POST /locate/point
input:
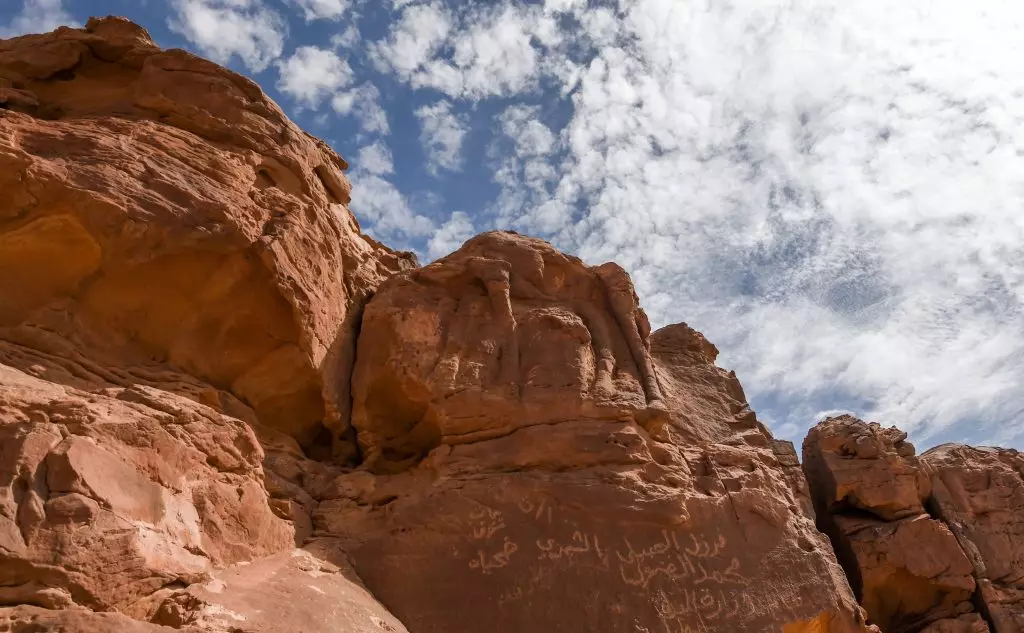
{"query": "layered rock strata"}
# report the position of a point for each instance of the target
(161, 209)
(180, 285)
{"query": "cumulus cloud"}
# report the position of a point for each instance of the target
(417, 36)
(322, 9)
(312, 74)
(384, 211)
(38, 16)
(348, 38)
(363, 102)
(223, 29)
(441, 132)
(376, 159)
(490, 51)
(452, 234)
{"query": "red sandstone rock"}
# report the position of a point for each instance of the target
(167, 204)
(979, 493)
(908, 569)
(179, 283)
(546, 463)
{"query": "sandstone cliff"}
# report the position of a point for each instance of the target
(224, 409)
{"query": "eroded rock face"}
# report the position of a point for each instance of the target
(870, 493)
(979, 494)
(538, 460)
(180, 282)
(167, 204)
(182, 287)
(106, 497)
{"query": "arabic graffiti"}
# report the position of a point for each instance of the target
(485, 523)
(581, 543)
(538, 509)
(680, 614)
(695, 559)
(486, 563)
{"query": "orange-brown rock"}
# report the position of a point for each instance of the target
(979, 493)
(870, 492)
(180, 283)
(166, 206)
(538, 460)
(189, 441)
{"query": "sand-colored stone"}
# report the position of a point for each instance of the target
(537, 459)
(870, 494)
(168, 204)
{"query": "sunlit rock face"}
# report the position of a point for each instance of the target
(165, 204)
(224, 409)
(930, 543)
(537, 459)
(180, 284)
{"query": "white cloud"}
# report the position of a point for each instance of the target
(414, 38)
(531, 137)
(348, 38)
(322, 9)
(376, 159)
(829, 190)
(363, 102)
(601, 25)
(384, 211)
(222, 29)
(312, 74)
(441, 132)
(38, 16)
(451, 235)
(491, 52)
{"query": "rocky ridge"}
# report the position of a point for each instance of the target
(225, 409)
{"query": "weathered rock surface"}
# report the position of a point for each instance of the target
(979, 494)
(538, 460)
(871, 492)
(180, 282)
(208, 425)
(165, 204)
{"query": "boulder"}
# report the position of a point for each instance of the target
(979, 493)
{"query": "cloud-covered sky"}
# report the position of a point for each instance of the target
(832, 191)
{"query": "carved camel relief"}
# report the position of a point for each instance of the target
(503, 284)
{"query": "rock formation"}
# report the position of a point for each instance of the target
(180, 284)
(225, 409)
(931, 543)
(536, 459)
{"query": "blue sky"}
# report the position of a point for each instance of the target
(832, 191)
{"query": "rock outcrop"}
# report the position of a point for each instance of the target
(537, 459)
(979, 494)
(180, 284)
(158, 202)
(223, 409)
(934, 543)
(869, 493)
